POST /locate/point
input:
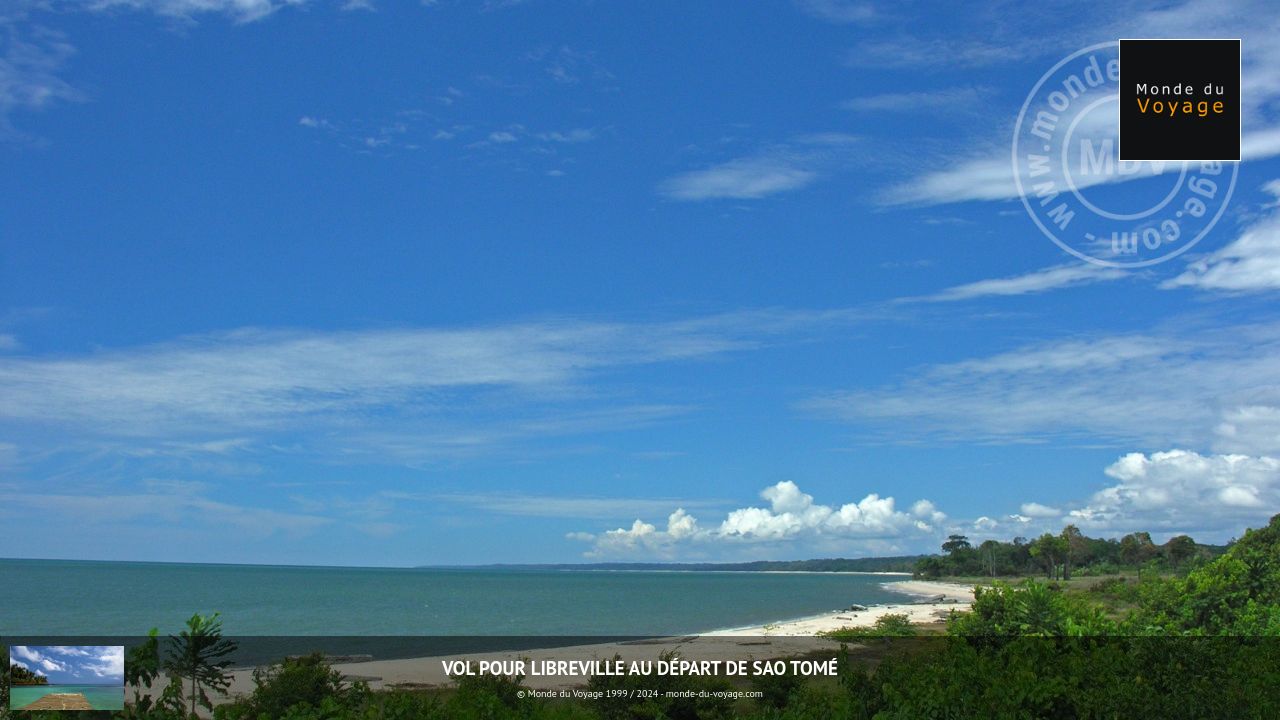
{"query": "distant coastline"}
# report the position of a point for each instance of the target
(895, 565)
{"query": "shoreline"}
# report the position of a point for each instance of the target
(770, 640)
(954, 596)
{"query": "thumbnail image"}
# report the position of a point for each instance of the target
(66, 677)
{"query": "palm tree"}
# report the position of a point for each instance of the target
(197, 655)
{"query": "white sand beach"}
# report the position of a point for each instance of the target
(948, 597)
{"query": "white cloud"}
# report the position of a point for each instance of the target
(744, 178)
(949, 99)
(37, 659)
(1184, 491)
(30, 59)
(988, 175)
(1050, 278)
(560, 506)
(1200, 386)
(576, 135)
(105, 662)
(319, 123)
(502, 136)
(419, 395)
(101, 661)
(173, 505)
(1036, 510)
(791, 514)
(838, 11)
(1249, 263)
(781, 168)
(239, 10)
(952, 52)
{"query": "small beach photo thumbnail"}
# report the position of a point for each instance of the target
(66, 677)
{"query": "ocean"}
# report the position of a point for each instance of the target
(47, 597)
(99, 697)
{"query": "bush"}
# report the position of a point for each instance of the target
(891, 625)
(1031, 609)
(304, 682)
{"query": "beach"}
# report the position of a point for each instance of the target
(934, 602)
(945, 598)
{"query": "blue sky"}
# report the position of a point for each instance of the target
(72, 664)
(457, 282)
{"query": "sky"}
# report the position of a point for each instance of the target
(454, 282)
(72, 664)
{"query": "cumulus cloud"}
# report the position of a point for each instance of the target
(38, 660)
(105, 662)
(102, 662)
(791, 514)
(1184, 491)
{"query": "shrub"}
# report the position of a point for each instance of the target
(890, 625)
(303, 682)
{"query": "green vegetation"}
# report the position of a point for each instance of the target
(886, 626)
(19, 675)
(197, 654)
(4, 682)
(1060, 556)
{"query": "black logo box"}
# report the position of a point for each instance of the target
(1181, 65)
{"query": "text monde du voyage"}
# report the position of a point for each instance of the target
(1180, 99)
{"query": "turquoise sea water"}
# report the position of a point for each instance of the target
(101, 698)
(42, 597)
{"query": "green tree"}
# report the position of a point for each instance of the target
(988, 551)
(929, 567)
(1049, 549)
(296, 683)
(955, 545)
(1074, 545)
(1180, 548)
(1137, 548)
(198, 656)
